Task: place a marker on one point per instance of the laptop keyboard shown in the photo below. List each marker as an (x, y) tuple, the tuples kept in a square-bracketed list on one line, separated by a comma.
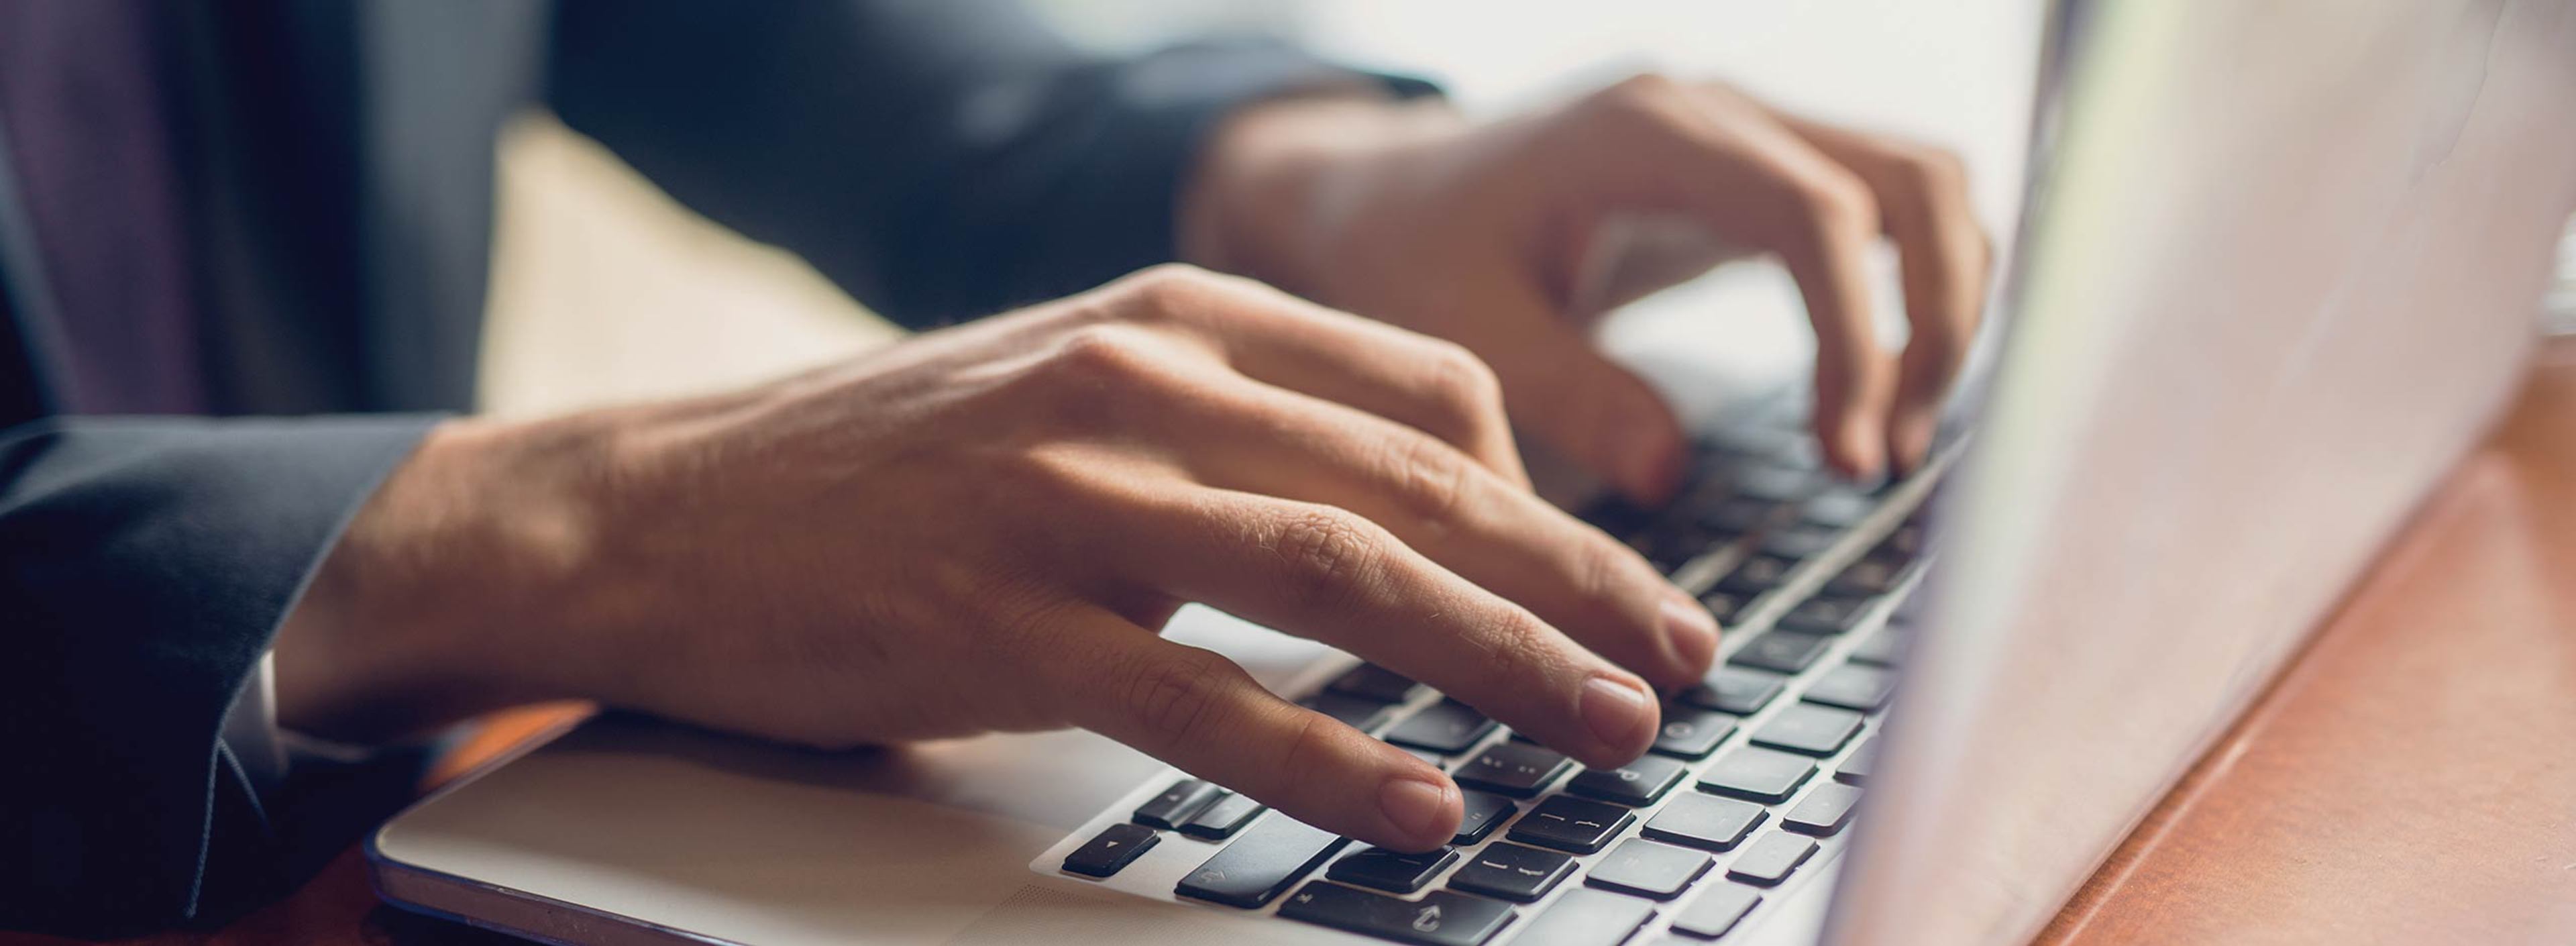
[(1750, 788)]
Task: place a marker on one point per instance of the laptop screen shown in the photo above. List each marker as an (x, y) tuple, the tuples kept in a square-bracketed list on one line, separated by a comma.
[(2285, 273)]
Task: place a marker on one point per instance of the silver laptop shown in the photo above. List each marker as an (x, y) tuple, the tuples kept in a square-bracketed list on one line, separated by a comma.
[(2280, 267)]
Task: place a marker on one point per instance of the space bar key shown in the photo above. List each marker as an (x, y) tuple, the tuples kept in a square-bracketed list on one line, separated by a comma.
[(1440, 918)]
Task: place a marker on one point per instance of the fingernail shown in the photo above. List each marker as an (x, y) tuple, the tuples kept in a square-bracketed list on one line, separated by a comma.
[(1692, 632), (1866, 452), (1415, 807), (1617, 714)]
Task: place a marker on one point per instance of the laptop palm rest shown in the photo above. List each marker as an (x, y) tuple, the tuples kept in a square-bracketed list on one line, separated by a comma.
[(631, 830)]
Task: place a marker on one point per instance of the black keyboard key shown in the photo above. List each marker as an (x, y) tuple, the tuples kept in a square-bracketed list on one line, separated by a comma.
[(1781, 651), (1799, 543), (1617, 516), (1440, 919), (1257, 866), (1485, 812), (1433, 759), (1671, 547), (1177, 804), (1636, 784), (1512, 768), (1808, 728), (1755, 575), (1572, 824), (1114, 848), (1868, 578), (1358, 713), (1705, 821), (1512, 872), (1853, 687), (1753, 773), (1839, 507), (1754, 440), (1716, 910), (1906, 543), (1724, 607), (1395, 871), (1824, 615), (1373, 682), (1824, 811), (1770, 858), (1692, 733), (1774, 482), (1648, 869), (1856, 767), (1221, 820), (1588, 918), (1447, 727), (1883, 649), (1736, 690), (1737, 516)]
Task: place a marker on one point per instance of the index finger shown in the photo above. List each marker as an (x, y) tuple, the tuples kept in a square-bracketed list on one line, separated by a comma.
[(1329, 574)]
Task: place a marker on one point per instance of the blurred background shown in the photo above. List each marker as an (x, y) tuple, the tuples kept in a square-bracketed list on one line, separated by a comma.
[(605, 290)]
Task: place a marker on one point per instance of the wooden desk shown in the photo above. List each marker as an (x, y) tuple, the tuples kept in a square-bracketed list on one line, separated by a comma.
[(2410, 778)]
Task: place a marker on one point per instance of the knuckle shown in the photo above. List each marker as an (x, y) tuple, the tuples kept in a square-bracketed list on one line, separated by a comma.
[(1835, 202), (1600, 567), (1106, 355), (1329, 555), (1432, 479), (1652, 89), (1463, 385), (1649, 99), (1177, 699), (1168, 290), (1936, 170), (1100, 376), (1310, 748)]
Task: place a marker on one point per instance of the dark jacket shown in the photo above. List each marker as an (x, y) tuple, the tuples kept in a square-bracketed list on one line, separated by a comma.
[(939, 159)]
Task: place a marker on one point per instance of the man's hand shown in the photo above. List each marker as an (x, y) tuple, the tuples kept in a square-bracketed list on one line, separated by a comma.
[(1481, 234), (980, 529)]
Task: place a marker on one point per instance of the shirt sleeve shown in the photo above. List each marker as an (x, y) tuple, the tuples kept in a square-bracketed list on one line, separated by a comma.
[(940, 159), (144, 566)]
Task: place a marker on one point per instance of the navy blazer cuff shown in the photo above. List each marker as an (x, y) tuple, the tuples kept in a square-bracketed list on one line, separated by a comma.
[(145, 565)]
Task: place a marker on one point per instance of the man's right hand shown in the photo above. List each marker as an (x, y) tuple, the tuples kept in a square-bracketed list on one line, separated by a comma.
[(980, 530)]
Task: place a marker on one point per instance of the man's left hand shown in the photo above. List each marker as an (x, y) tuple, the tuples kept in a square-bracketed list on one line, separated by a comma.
[(1482, 234)]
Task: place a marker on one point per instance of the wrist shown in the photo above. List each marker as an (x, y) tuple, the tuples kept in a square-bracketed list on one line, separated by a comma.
[(451, 590), (1278, 182)]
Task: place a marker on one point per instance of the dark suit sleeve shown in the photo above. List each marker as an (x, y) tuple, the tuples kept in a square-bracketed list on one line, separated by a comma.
[(940, 159), (144, 565)]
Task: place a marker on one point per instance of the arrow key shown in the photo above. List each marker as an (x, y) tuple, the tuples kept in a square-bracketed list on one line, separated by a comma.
[(1567, 823), (1113, 849)]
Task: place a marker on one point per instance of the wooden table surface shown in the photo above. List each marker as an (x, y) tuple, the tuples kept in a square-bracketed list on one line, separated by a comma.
[(2411, 778)]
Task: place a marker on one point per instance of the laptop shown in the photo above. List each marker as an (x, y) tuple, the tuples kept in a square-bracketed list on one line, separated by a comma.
[(2280, 267)]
